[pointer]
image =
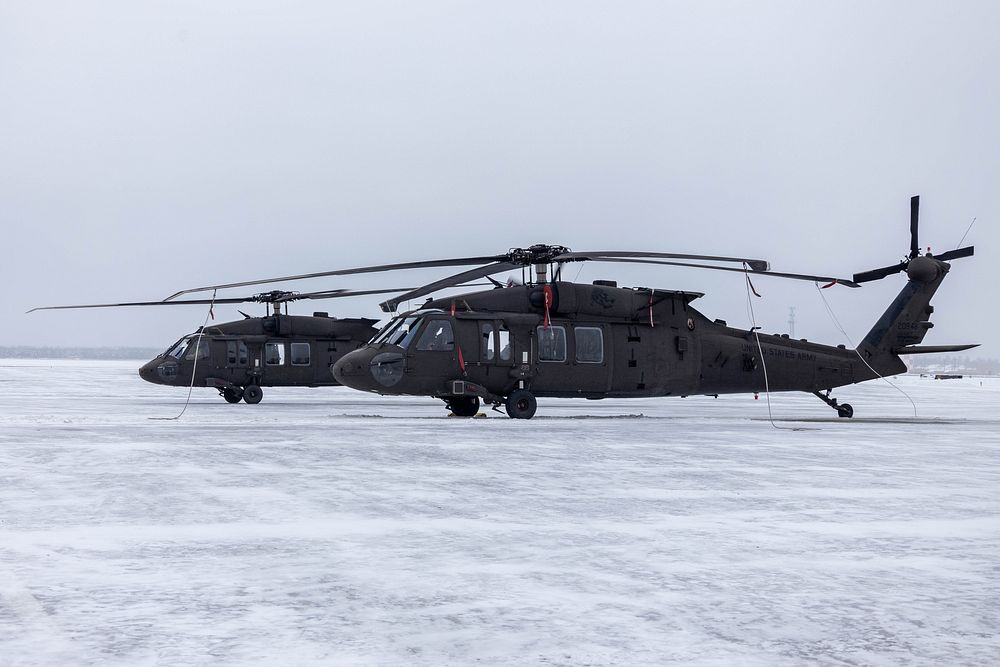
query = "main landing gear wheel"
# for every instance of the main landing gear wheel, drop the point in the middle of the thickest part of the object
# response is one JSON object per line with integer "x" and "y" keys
{"x": 252, "y": 394}
{"x": 232, "y": 394}
{"x": 463, "y": 406}
{"x": 521, "y": 404}
{"x": 845, "y": 410}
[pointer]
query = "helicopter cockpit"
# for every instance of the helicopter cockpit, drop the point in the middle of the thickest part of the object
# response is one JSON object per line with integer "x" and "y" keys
{"x": 188, "y": 347}
{"x": 164, "y": 369}
{"x": 384, "y": 359}
{"x": 402, "y": 330}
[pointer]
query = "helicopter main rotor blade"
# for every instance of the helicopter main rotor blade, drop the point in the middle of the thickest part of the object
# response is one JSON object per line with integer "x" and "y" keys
{"x": 267, "y": 297}
{"x": 339, "y": 293}
{"x": 187, "y": 302}
{"x": 461, "y": 261}
{"x": 758, "y": 265}
{"x": 775, "y": 274}
{"x": 451, "y": 281}
{"x": 914, "y": 215}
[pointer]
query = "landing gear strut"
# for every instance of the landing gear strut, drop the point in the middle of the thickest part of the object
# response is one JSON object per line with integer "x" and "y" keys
{"x": 232, "y": 394}
{"x": 843, "y": 410}
{"x": 463, "y": 406}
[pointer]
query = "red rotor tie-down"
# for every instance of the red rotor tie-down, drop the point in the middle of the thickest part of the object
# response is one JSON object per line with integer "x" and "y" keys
{"x": 547, "y": 291}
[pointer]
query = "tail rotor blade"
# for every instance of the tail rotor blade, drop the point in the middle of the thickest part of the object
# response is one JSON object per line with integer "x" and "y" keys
{"x": 878, "y": 274}
{"x": 967, "y": 251}
{"x": 914, "y": 216}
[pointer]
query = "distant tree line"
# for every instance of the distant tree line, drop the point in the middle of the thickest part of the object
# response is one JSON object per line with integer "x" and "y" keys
{"x": 952, "y": 363}
{"x": 26, "y": 352}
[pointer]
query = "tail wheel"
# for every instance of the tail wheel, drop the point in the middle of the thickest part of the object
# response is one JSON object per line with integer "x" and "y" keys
{"x": 232, "y": 394}
{"x": 845, "y": 410}
{"x": 521, "y": 404}
{"x": 252, "y": 394}
{"x": 463, "y": 406}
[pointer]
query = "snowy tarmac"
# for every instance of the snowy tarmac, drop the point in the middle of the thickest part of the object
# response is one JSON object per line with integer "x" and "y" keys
{"x": 330, "y": 527}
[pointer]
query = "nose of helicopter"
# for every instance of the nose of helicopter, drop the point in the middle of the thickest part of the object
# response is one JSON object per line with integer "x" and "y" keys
{"x": 377, "y": 370}
{"x": 158, "y": 371}
{"x": 148, "y": 371}
{"x": 351, "y": 370}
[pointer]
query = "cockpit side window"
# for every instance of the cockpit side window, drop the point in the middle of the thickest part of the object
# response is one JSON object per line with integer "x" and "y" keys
{"x": 186, "y": 347}
{"x": 198, "y": 344}
{"x": 437, "y": 335}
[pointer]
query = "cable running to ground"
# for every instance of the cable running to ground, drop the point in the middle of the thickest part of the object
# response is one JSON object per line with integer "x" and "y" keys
{"x": 194, "y": 367}
{"x": 847, "y": 337}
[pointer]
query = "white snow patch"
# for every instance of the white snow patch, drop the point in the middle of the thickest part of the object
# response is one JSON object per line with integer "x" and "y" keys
{"x": 306, "y": 531}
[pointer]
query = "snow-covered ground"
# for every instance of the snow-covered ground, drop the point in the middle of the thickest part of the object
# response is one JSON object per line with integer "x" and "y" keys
{"x": 325, "y": 526}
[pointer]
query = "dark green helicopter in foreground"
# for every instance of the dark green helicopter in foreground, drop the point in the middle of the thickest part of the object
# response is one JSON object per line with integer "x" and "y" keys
{"x": 239, "y": 358}
{"x": 552, "y": 338}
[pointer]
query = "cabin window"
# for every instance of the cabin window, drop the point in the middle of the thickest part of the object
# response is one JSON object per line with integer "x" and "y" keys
{"x": 589, "y": 345}
{"x": 437, "y": 335}
{"x": 201, "y": 348}
{"x": 551, "y": 343}
{"x": 236, "y": 353}
{"x": 487, "y": 344}
{"x": 300, "y": 354}
{"x": 274, "y": 354}
{"x": 505, "y": 350}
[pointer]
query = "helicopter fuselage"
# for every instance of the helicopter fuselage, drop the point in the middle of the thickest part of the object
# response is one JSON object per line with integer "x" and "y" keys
{"x": 274, "y": 351}
{"x": 592, "y": 341}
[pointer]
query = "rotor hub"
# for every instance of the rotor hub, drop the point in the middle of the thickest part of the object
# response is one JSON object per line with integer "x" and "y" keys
{"x": 274, "y": 296}
{"x": 922, "y": 269}
{"x": 539, "y": 253}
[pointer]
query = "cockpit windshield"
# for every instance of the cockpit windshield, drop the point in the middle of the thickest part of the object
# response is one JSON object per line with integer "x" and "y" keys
{"x": 177, "y": 349}
{"x": 385, "y": 331}
{"x": 405, "y": 332}
{"x": 187, "y": 347}
{"x": 398, "y": 332}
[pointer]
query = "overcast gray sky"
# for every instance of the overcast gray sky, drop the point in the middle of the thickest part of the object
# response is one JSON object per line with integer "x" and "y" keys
{"x": 149, "y": 147}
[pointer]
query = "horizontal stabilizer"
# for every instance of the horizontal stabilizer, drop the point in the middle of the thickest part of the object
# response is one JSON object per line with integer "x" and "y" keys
{"x": 932, "y": 349}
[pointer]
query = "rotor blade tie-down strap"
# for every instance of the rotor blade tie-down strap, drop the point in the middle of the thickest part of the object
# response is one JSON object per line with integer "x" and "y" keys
{"x": 651, "y": 309}
{"x": 829, "y": 284}
{"x": 547, "y": 292}
{"x": 458, "y": 346}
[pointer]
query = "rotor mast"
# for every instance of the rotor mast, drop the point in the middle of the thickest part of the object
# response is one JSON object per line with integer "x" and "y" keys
{"x": 541, "y": 273}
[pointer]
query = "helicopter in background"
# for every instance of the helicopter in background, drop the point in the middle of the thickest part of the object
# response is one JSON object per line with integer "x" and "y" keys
{"x": 553, "y": 338}
{"x": 239, "y": 358}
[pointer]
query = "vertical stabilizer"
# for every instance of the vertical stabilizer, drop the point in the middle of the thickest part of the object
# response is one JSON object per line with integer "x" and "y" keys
{"x": 907, "y": 319}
